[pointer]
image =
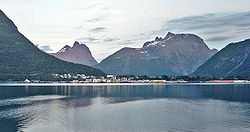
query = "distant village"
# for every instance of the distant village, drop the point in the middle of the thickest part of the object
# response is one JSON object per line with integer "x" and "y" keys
{"x": 82, "y": 78}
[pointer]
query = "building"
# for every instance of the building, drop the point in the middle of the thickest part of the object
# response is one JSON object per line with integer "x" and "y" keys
{"x": 27, "y": 81}
{"x": 222, "y": 81}
{"x": 159, "y": 81}
{"x": 75, "y": 81}
{"x": 111, "y": 76}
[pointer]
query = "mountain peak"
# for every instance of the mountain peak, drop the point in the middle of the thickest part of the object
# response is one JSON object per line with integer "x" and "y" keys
{"x": 65, "y": 48}
{"x": 180, "y": 36}
{"x": 2, "y": 13}
{"x": 79, "y": 53}
{"x": 192, "y": 39}
{"x": 169, "y": 35}
{"x": 158, "y": 39}
{"x": 76, "y": 43}
{"x": 6, "y": 23}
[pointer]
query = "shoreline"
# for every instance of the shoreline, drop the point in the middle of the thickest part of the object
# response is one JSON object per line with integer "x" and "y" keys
{"x": 112, "y": 84}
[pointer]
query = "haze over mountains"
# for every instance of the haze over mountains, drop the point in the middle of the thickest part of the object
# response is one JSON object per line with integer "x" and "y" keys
{"x": 79, "y": 54}
{"x": 233, "y": 60}
{"x": 176, "y": 54}
{"x": 20, "y": 58}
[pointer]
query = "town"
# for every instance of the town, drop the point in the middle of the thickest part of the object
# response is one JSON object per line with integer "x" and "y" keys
{"x": 82, "y": 78}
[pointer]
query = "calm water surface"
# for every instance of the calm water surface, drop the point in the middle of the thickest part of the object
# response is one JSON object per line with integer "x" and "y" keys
{"x": 121, "y": 108}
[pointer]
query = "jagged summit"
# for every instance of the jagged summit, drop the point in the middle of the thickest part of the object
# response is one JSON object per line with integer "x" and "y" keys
{"x": 79, "y": 53}
{"x": 158, "y": 39}
{"x": 189, "y": 39}
{"x": 182, "y": 36}
{"x": 169, "y": 35}
{"x": 65, "y": 48}
{"x": 76, "y": 43}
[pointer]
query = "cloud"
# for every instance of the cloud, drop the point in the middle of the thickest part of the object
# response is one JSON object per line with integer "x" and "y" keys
{"x": 217, "y": 28}
{"x": 96, "y": 19}
{"x": 97, "y": 40}
{"x": 88, "y": 39}
{"x": 109, "y": 39}
{"x": 45, "y": 48}
{"x": 219, "y": 38}
{"x": 91, "y": 39}
{"x": 224, "y": 26}
{"x": 127, "y": 42}
{"x": 78, "y": 27}
{"x": 98, "y": 29}
{"x": 88, "y": 6}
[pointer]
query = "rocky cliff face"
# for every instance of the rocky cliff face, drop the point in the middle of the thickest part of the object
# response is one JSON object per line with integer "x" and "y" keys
{"x": 176, "y": 54}
{"x": 233, "y": 60}
{"x": 79, "y": 54}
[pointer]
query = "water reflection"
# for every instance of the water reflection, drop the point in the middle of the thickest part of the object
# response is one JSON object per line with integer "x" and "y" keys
{"x": 222, "y": 92}
{"x": 24, "y": 107}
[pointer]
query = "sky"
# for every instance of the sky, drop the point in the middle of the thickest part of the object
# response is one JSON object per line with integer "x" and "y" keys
{"x": 106, "y": 26}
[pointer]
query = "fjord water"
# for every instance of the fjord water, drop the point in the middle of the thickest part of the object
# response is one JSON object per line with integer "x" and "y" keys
{"x": 121, "y": 108}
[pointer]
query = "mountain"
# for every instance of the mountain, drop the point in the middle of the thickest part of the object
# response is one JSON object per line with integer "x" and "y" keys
{"x": 79, "y": 54}
{"x": 233, "y": 60}
{"x": 20, "y": 58}
{"x": 176, "y": 54}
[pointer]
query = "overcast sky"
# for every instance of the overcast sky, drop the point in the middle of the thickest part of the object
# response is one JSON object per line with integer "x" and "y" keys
{"x": 106, "y": 26}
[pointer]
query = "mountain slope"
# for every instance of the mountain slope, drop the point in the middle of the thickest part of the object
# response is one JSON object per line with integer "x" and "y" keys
{"x": 176, "y": 54}
{"x": 19, "y": 58}
{"x": 233, "y": 60}
{"x": 79, "y": 54}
